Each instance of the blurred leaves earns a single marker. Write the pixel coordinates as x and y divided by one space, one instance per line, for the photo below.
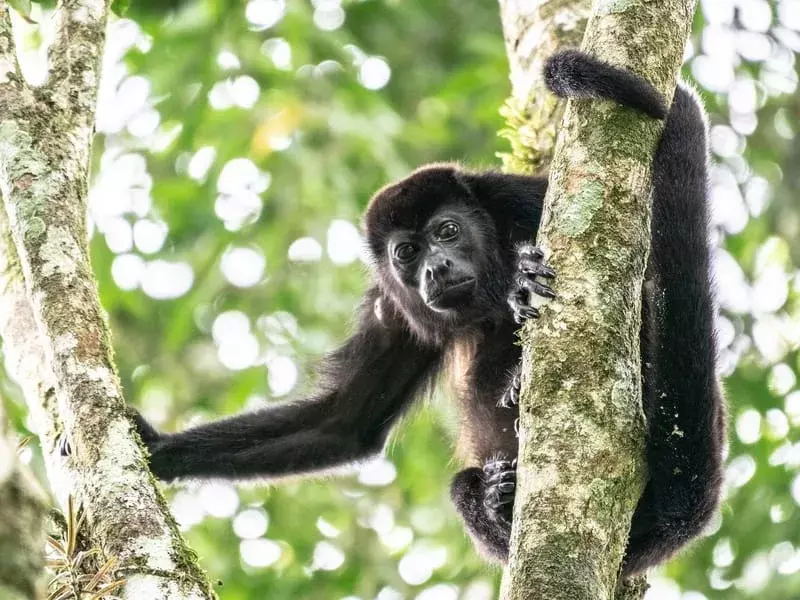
23 7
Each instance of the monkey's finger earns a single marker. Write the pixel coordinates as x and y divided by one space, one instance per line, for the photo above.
506 473
535 267
501 478
540 289
524 313
520 306
533 286
511 395
496 466
494 501
506 487
510 398
530 251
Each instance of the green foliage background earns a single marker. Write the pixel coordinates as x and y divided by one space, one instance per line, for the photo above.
448 79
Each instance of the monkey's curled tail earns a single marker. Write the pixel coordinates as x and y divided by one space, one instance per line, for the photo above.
575 74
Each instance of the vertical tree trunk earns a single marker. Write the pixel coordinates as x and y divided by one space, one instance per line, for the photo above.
53 328
581 467
22 510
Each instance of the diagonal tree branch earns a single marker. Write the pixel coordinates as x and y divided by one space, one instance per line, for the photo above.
9 65
23 352
533 31
75 57
45 150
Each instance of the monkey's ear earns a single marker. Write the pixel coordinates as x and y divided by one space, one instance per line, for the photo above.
514 202
493 188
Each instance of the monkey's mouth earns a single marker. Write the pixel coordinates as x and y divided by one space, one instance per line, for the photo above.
452 295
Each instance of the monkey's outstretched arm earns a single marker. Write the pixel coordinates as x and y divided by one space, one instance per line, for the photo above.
369 382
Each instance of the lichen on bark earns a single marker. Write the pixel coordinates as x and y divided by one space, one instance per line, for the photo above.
581 467
63 358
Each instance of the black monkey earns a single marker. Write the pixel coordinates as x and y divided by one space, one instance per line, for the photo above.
451 251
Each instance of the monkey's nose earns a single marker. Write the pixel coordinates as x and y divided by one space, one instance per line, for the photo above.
437 270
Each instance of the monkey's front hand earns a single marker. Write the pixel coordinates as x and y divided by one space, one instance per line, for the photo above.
156 445
530 265
147 432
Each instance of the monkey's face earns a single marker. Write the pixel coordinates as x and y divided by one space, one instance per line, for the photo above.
440 261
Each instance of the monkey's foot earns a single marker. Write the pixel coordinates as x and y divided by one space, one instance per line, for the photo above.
530 265
500 478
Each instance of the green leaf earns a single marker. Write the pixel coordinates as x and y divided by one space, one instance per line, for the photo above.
23 7
120 7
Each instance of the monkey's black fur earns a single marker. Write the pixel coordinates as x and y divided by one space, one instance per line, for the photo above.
450 254
573 74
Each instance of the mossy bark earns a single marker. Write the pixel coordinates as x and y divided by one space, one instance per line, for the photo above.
55 334
581 468
533 30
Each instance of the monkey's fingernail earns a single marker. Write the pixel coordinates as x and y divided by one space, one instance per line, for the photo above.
535 251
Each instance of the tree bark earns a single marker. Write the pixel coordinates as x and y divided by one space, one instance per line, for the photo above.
22 512
581 467
534 30
55 334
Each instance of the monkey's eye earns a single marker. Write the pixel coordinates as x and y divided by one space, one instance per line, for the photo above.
405 252
448 231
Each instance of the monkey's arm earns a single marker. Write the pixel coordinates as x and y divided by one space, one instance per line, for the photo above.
368 383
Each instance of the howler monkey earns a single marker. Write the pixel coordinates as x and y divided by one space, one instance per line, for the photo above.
454 271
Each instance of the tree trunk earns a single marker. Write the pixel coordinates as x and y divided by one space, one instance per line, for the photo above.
581 466
534 30
22 511
54 331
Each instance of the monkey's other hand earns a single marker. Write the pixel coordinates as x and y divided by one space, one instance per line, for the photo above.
530 265
511 395
501 482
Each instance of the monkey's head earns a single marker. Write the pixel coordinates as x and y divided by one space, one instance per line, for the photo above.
434 246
